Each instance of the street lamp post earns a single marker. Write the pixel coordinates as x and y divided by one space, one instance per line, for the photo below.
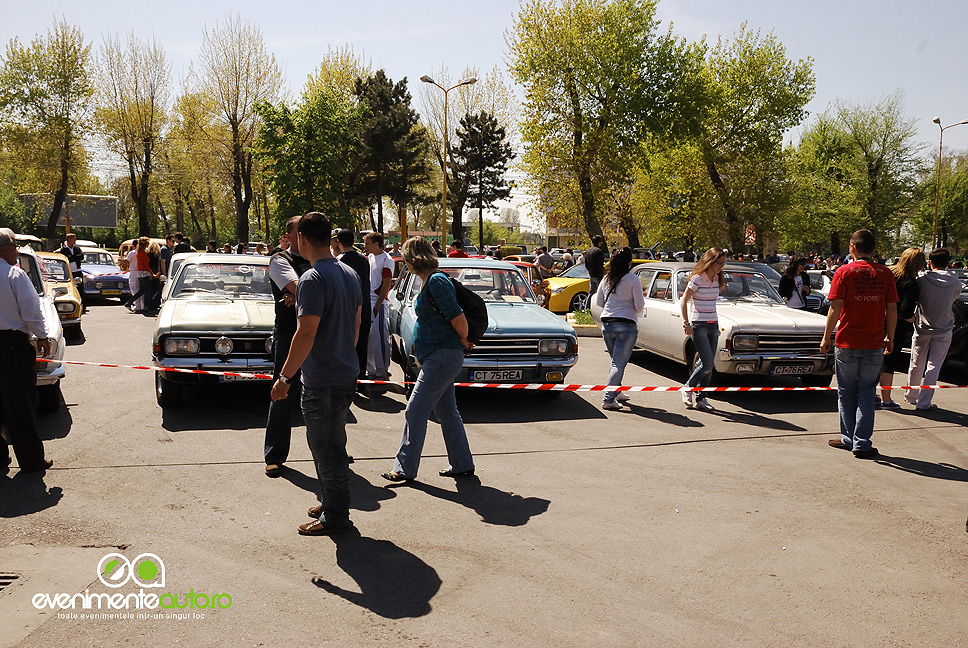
937 178
468 81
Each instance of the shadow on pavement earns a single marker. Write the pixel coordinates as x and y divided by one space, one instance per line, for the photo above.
480 405
940 415
364 496
55 425
924 468
663 416
394 583
26 493
219 407
493 505
373 398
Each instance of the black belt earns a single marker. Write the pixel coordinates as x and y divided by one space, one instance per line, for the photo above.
9 333
623 320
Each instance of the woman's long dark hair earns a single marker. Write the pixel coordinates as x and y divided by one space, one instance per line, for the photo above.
791 269
619 266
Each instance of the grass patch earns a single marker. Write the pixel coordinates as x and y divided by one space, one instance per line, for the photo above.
584 317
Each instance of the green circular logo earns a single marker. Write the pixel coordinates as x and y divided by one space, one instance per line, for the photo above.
147 570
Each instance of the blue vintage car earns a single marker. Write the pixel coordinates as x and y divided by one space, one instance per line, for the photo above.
524 343
102 277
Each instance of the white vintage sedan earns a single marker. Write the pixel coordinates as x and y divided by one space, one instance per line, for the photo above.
759 334
49 374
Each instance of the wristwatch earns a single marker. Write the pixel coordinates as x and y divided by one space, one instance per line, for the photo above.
284 380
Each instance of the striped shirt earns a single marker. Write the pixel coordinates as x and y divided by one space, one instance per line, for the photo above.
702 306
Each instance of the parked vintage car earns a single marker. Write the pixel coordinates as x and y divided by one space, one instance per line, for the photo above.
569 290
816 303
49 374
524 343
538 285
102 277
60 286
759 334
217 316
126 246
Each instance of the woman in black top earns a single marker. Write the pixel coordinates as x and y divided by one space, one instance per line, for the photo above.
906 279
794 286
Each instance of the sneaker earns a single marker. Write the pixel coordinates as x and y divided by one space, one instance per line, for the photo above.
870 453
891 405
703 404
623 397
613 405
932 406
687 399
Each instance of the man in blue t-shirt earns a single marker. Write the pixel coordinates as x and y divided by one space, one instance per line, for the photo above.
328 310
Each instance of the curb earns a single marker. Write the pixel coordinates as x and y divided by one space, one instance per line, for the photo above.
583 330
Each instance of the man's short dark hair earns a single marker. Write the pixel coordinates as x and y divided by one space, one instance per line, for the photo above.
863 241
457 243
316 228
940 258
169 237
346 237
213 243
597 239
179 236
376 238
291 224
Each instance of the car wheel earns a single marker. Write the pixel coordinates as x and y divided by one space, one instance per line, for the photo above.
72 332
167 393
714 379
817 381
49 397
579 302
395 355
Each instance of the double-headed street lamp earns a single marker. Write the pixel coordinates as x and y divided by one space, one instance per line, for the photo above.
937 178
469 81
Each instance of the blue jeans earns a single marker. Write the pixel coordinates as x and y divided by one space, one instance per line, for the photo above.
619 340
325 410
705 337
434 392
858 372
279 423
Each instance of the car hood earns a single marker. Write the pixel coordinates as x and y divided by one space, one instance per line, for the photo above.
97 270
763 317
216 315
524 319
564 282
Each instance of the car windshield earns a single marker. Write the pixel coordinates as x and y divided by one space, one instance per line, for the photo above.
576 272
29 265
98 258
507 286
233 280
56 270
740 286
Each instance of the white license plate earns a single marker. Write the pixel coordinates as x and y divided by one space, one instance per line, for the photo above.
791 370
495 376
110 292
248 378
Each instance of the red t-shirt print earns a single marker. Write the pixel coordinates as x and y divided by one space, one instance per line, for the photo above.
866 288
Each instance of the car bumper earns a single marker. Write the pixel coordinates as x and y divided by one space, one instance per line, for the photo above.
756 364
52 373
531 371
240 365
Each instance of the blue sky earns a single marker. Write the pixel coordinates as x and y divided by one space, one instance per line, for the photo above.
863 50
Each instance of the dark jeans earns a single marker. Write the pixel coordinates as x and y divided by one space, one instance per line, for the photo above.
279 423
325 410
144 287
18 398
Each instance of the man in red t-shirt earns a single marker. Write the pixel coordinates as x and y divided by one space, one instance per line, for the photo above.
863 307
457 250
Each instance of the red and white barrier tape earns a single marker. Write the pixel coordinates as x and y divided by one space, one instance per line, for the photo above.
525 386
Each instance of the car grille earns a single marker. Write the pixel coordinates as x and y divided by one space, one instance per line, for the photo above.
814 302
242 346
505 347
789 342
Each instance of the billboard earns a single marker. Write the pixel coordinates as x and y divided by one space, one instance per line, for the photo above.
83 211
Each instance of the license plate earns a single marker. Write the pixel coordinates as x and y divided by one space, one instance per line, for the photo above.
791 370
243 378
495 376
110 292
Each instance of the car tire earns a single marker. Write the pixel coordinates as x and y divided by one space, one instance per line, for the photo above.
578 302
817 381
167 393
72 332
49 397
714 380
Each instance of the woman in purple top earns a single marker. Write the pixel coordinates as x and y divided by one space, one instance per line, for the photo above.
700 321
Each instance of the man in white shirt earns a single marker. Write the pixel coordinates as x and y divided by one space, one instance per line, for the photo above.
20 316
381 276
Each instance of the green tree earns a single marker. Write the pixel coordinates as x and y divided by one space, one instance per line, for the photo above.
951 201
134 85
236 73
45 106
754 94
480 162
597 77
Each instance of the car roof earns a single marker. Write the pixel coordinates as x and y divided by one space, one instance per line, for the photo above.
51 255
214 257
484 263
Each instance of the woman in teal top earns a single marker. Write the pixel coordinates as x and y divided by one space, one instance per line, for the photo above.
440 339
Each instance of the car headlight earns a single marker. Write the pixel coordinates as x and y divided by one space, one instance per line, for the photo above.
555 291
181 346
745 342
99 285
553 347
223 346
269 344
64 307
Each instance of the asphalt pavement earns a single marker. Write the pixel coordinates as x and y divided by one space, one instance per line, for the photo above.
654 526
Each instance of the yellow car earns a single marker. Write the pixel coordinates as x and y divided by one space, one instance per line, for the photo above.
60 287
569 290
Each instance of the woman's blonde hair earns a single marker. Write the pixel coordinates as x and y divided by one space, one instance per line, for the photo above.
910 264
707 259
154 249
419 253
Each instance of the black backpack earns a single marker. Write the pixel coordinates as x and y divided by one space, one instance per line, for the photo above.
475 310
